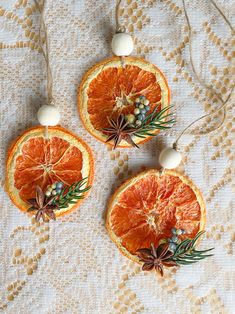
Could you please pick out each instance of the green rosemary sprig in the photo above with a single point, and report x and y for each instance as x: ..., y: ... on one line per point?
x: 155, y: 120
x: 122, y: 129
x: 164, y: 256
x: 70, y: 195
x: 186, y: 253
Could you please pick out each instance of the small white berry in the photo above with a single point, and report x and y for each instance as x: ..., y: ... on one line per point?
x: 48, y: 193
x: 141, y: 106
x: 146, y: 102
x: 54, y: 192
x: 48, y: 115
x: 137, y: 100
x: 130, y: 118
x: 122, y: 44
x: 53, y: 186
x: 138, y: 122
x: 136, y: 111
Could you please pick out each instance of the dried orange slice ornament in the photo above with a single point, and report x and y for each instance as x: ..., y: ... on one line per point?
x: 153, y: 215
x: 129, y: 86
x: 39, y: 159
x: 123, y: 100
x: 49, y: 170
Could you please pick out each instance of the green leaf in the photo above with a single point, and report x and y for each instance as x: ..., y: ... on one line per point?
x: 197, y: 237
x: 70, y: 195
x: 180, y: 246
x: 179, y: 262
x: 155, y: 121
x: 204, y: 251
x: 186, y: 254
x: 139, y: 135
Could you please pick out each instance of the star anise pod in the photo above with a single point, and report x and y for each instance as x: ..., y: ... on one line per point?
x: 120, y: 130
x: 156, y: 258
x: 42, y: 205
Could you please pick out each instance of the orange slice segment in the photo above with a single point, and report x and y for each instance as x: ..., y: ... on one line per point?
x: 110, y: 88
x: 145, y: 209
x: 41, y: 158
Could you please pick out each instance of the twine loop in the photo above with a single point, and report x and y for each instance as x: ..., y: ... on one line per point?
x: 119, y: 28
x: 45, y: 51
x: 209, y: 87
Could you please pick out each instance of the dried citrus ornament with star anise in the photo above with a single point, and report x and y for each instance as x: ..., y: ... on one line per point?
x: 41, y: 157
x: 156, y: 219
x: 47, y: 153
x: 110, y: 89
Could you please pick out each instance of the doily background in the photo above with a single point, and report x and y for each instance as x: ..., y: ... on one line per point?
x: 71, y: 266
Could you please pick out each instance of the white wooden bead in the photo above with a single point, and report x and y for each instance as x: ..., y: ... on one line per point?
x: 122, y: 44
x: 170, y: 158
x: 48, y: 115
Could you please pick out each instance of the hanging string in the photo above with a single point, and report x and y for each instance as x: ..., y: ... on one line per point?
x: 119, y: 28
x: 46, y: 51
x: 117, y: 15
x: 224, y: 103
x: 224, y: 17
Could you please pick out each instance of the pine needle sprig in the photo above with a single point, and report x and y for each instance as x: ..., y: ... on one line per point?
x: 186, y: 253
x: 157, y: 120
x: 121, y: 129
x: 70, y: 195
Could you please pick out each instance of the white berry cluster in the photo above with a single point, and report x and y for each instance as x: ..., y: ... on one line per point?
x: 54, y: 189
x: 141, y: 108
x: 174, y: 240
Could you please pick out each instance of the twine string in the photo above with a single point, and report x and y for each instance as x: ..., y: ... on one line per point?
x: 223, y: 15
x: 45, y: 51
x: 119, y: 28
x: 203, y: 83
x: 46, y: 134
x: 117, y: 14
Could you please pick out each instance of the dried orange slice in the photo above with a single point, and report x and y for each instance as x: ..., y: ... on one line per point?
x: 39, y: 158
x: 110, y: 88
x: 145, y: 209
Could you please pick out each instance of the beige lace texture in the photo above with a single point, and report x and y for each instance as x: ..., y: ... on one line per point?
x: 71, y: 266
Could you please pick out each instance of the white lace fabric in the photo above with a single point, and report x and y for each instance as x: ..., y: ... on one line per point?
x: 71, y: 265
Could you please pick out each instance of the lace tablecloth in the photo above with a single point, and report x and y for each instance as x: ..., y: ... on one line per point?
x: 71, y: 266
